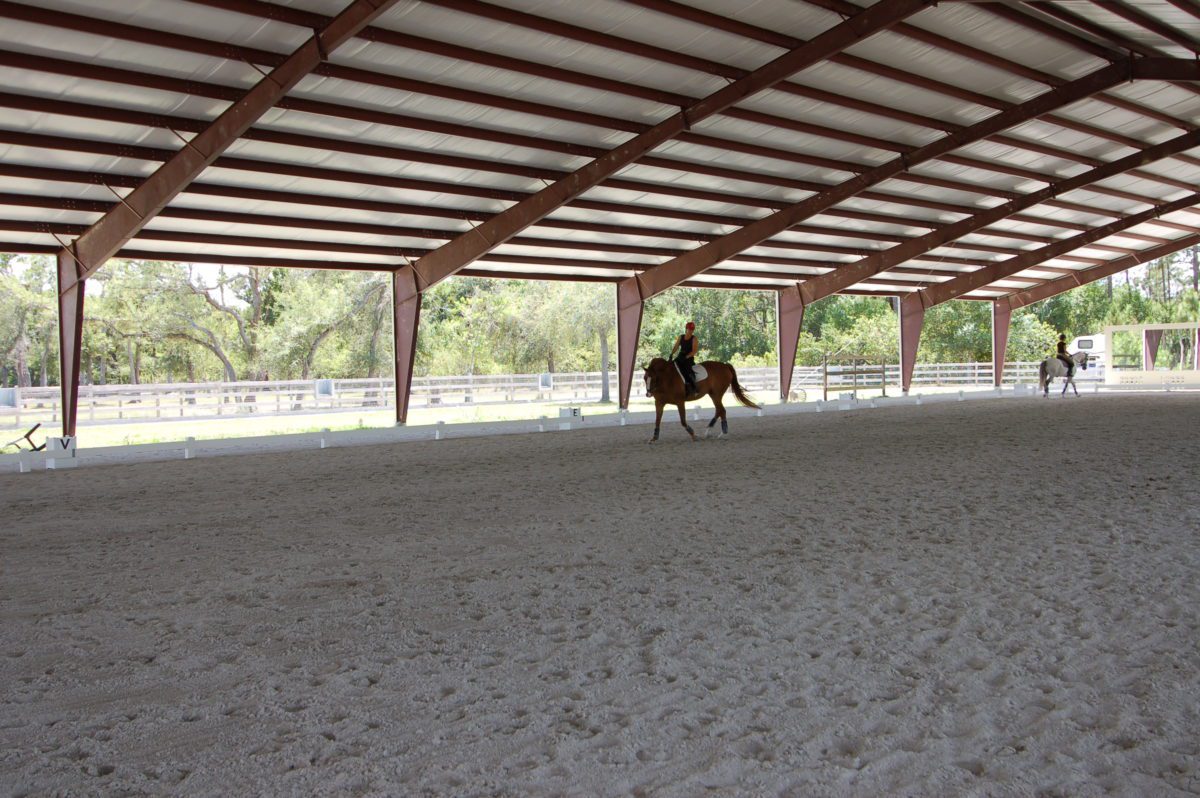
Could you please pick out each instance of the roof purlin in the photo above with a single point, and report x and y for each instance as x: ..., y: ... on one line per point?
x: 458, y: 253
x: 247, y: 6
x: 73, y: 108
x: 1019, y: 299
x: 1004, y: 269
x: 848, y: 275
x: 697, y: 260
x: 93, y: 247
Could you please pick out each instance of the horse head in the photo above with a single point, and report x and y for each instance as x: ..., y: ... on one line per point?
x: 653, y: 374
x: 1082, y: 359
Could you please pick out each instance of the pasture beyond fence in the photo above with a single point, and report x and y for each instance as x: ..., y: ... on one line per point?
x: 170, y: 402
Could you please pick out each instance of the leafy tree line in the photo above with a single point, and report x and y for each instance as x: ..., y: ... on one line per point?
x: 166, y: 322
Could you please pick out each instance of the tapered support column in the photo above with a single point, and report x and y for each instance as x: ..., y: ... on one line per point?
x: 406, y: 313
x: 789, y: 315
x: 1001, y: 320
x: 70, y: 337
x: 629, y: 327
x: 1150, y: 342
x: 912, y: 316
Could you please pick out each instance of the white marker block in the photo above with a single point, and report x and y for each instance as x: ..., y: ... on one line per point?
x: 437, y: 430
x: 960, y: 395
x: 187, y: 453
x: 24, y: 466
x: 564, y: 425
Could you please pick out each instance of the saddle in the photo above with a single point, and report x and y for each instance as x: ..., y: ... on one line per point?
x: 699, y: 372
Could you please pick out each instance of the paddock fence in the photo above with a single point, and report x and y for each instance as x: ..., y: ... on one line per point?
x: 171, y: 402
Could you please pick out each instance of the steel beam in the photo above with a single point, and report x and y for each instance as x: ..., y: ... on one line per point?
x: 789, y: 317
x: 306, y: 19
x: 1150, y: 341
x: 406, y: 313
x: 1001, y: 321
x: 951, y: 289
x: 362, y: 178
x: 451, y: 257
x: 697, y: 260
x: 70, y: 337
x: 629, y: 328
x: 1150, y: 23
x: 912, y: 317
x: 848, y: 275
x: 115, y: 228
x: 1019, y: 299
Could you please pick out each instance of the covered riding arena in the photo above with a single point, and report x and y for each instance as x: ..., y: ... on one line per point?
x: 994, y: 597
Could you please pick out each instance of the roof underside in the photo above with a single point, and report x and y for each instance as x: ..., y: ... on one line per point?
x: 445, y: 113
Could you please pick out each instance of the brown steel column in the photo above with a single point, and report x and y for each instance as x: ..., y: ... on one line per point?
x: 789, y: 316
x: 629, y: 327
x: 70, y: 337
x: 912, y: 316
x: 406, y: 315
x: 1001, y: 319
x: 1150, y: 342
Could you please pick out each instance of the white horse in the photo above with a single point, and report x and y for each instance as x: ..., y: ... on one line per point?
x: 1052, y: 368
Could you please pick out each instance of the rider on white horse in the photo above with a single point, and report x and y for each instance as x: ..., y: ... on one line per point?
x: 1065, y: 356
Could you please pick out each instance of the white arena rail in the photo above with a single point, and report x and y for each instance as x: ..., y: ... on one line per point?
x: 165, y: 402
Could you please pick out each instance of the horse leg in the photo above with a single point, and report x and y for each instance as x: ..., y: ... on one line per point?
x: 683, y: 421
x: 720, y: 406
x: 1074, y: 387
x: 658, y: 411
x: 716, y: 416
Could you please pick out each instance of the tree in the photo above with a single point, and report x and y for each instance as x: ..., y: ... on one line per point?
x: 28, y: 320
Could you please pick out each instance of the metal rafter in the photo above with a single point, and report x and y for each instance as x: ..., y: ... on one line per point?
x: 846, y: 276
x: 952, y: 289
x: 253, y: 7
x: 985, y: 57
x: 299, y: 17
x: 85, y: 110
x: 1149, y: 23
x: 110, y: 233
x: 697, y: 260
x: 1023, y: 297
x: 453, y: 256
x: 116, y: 180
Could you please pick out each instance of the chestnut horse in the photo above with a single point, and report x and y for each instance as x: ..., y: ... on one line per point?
x: 666, y: 385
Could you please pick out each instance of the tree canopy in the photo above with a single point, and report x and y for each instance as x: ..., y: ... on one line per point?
x: 167, y: 322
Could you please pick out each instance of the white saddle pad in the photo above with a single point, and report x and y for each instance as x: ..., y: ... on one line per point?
x: 699, y: 371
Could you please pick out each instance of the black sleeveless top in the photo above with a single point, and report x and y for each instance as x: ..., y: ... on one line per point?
x: 685, y: 346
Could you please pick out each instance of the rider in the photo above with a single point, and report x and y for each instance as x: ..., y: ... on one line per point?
x: 687, y: 346
x: 1062, y: 355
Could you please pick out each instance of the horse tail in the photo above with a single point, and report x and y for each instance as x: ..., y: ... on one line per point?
x: 1042, y: 376
x: 738, y: 392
